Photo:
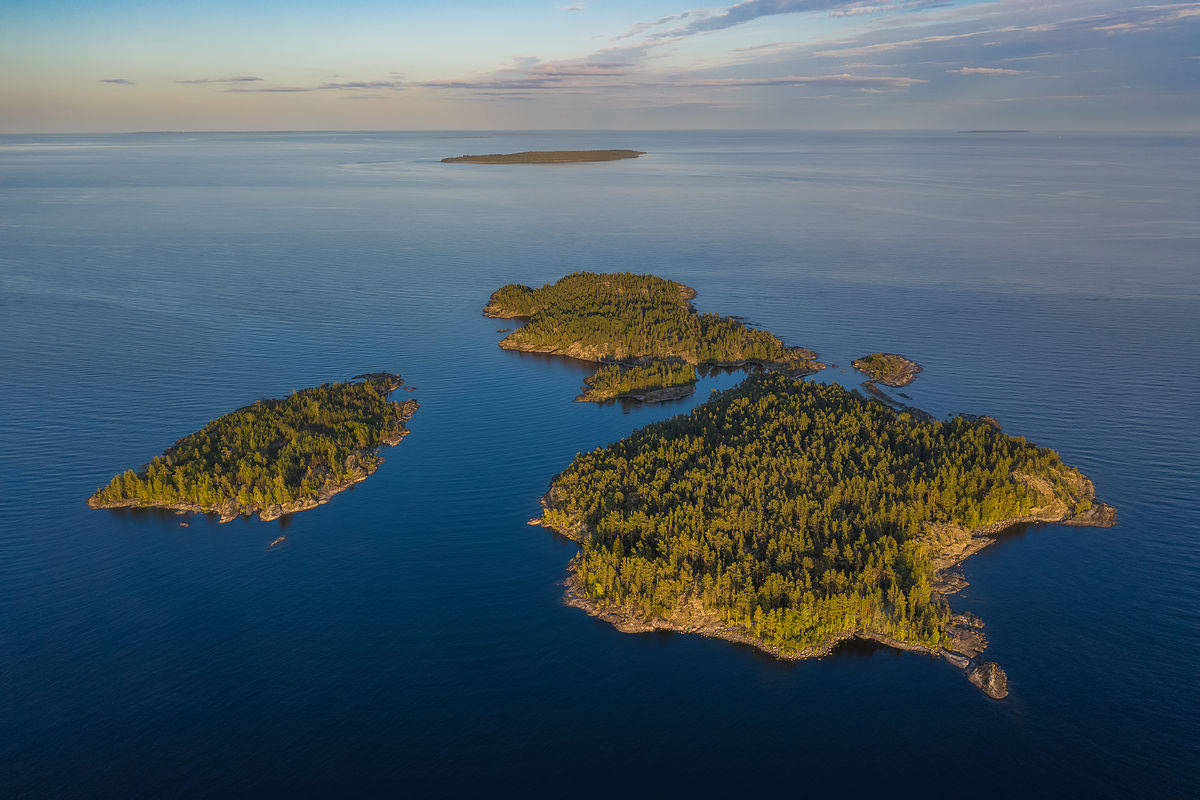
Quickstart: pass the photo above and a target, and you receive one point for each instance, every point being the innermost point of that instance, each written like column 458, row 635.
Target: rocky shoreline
column 359, row 470
column 967, row 638
column 901, row 371
column 576, row 350
column 231, row 509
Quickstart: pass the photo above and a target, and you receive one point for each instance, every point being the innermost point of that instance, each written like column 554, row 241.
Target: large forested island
column 641, row 328
column 791, row 516
column 272, row 457
column 545, row 157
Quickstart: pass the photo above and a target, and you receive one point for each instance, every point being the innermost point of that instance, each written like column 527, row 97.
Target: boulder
column 991, row 679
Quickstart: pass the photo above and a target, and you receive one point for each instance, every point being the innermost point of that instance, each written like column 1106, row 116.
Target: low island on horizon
column 546, row 157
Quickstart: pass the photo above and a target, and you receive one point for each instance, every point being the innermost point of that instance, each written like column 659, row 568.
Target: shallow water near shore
column 409, row 635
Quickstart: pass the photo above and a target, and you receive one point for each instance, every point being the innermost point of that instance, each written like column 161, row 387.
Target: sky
column 134, row 65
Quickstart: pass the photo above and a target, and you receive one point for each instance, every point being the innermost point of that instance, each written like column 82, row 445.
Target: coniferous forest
column 797, row 512
column 624, row 380
column 273, row 452
column 625, row 317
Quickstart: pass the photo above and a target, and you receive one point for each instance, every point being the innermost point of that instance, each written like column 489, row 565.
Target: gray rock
column 991, row 679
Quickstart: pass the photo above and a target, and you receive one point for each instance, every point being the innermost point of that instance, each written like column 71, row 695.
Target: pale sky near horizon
column 126, row 65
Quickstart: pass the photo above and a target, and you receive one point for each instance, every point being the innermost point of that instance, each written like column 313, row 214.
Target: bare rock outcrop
column 990, row 678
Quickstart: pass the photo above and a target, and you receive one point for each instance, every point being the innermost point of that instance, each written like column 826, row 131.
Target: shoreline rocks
column 990, row 679
column 890, row 369
column 968, row 641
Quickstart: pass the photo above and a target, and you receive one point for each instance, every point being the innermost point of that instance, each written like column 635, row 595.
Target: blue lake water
column 408, row 637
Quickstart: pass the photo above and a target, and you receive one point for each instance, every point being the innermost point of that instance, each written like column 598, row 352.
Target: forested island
column 545, row 157
column 648, row 380
column 272, row 457
column 889, row 369
column 641, row 328
column 792, row 516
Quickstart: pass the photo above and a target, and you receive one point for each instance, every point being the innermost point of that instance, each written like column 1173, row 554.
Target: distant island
column 642, row 329
column 546, row 157
column 889, row 369
column 273, row 457
column 792, row 516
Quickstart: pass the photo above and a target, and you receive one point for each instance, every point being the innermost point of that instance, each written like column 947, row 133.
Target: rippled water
column 409, row 635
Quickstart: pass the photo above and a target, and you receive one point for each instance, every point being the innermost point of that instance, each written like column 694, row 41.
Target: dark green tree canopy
column 626, row 317
column 273, row 452
column 795, row 511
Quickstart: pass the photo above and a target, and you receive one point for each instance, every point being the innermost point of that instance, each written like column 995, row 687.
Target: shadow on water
column 863, row 648
column 551, row 360
column 163, row 515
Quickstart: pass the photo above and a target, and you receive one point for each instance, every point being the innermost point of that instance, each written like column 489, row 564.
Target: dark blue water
column 409, row 637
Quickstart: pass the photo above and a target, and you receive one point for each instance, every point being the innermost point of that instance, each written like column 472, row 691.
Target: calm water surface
column 409, row 637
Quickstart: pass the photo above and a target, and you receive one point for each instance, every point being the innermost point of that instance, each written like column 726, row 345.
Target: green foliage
column 624, row 316
column 622, row 380
column 796, row 511
column 271, row 452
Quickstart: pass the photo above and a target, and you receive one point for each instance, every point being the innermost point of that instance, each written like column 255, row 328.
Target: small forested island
column 889, row 369
column 641, row 328
column 545, row 157
column 273, row 457
column 791, row 516
column 648, row 380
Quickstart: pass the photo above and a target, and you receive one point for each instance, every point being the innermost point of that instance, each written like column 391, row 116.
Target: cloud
column 749, row 10
column 880, row 47
column 324, row 87
column 641, row 27
column 846, row 79
column 118, row 81
column 1144, row 18
column 556, row 84
column 360, row 85
column 987, row 71
column 274, row 90
column 896, row 5
column 235, row 79
column 573, row 7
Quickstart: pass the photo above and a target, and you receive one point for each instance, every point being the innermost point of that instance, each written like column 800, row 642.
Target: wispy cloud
column 531, row 84
column 235, row 79
column 987, row 71
column 639, row 28
column 573, row 7
column 324, row 87
column 1142, row 18
column 881, row 47
column 749, row 10
column 275, row 90
column 118, row 81
column 361, row 85
column 845, row 79
column 885, row 8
